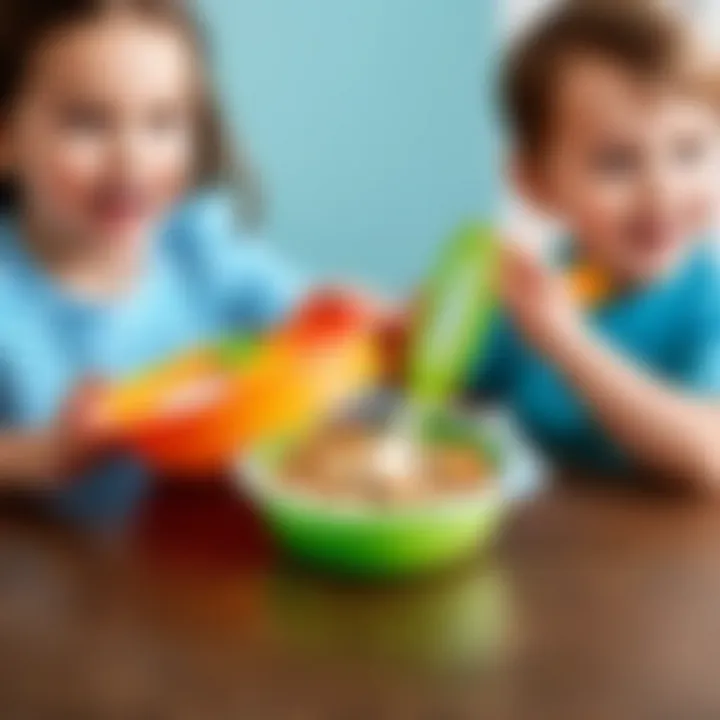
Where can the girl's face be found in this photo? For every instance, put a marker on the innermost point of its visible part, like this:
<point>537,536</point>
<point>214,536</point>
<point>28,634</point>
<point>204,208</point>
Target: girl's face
<point>101,136</point>
<point>632,169</point>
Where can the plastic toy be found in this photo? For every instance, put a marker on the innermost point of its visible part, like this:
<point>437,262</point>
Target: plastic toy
<point>194,413</point>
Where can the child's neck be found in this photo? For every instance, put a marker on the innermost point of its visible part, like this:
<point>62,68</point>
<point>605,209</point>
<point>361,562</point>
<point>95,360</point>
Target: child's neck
<point>81,267</point>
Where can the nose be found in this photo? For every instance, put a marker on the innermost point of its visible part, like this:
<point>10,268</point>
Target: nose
<point>128,156</point>
<point>659,186</point>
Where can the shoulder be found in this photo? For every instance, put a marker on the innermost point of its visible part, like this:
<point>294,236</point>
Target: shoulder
<point>204,232</point>
<point>204,212</point>
<point>14,300</point>
<point>697,341</point>
<point>207,231</point>
<point>705,261</point>
<point>232,264</point>
<point>203,222</point>
<point>701,281</point>
<point>692,304</point>
<point>21,307</point>
<point>14,285</point>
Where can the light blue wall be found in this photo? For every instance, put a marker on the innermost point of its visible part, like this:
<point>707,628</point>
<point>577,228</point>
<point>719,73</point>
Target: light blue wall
<point>368,121</point>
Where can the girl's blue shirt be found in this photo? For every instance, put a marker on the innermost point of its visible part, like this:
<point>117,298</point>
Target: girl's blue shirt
<point>670,329</point>
<point>201,281</point>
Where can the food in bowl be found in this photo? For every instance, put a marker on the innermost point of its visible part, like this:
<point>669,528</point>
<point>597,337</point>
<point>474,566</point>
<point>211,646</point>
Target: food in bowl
<point>355,463</point>
<point>353,498</point>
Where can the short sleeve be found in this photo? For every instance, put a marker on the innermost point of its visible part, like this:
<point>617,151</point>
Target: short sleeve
<point>7,414</point>
<point>700,370</point>
<point>245,279</point>
<point>16,334</point>
<point>495,365</point>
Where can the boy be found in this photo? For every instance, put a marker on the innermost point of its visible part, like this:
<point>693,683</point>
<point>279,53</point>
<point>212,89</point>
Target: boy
<point>615,134</point>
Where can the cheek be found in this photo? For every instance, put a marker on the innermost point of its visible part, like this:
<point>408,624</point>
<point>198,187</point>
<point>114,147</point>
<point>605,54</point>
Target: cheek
<point>76,168</point>
<point>700,198</point>
<point>58,169</point>
<point>592,205</point>
<point>700,208</point>
<point>168,163</point>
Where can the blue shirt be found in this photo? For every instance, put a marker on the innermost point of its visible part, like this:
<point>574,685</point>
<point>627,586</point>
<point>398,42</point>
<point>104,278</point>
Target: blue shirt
<point>671,329</point>
<point>201,281</point>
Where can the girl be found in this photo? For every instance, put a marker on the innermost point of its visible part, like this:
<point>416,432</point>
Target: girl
<point>112,252</point>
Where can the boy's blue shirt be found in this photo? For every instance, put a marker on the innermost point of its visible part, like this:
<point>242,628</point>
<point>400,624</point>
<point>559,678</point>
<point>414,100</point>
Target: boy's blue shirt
<point>670,329</point>
<point>201,281</point>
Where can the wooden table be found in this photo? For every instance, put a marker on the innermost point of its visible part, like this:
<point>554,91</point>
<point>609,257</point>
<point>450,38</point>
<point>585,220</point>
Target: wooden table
<point>592,606</point>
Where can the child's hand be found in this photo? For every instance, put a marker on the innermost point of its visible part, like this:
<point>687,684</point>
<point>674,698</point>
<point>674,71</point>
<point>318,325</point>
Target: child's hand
<point>538,301</point>
<point>76,437</point>
<point>393,336</point>
<point>392,324</point>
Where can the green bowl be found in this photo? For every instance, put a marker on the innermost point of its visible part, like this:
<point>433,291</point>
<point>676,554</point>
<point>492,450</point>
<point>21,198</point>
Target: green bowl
<point>366,541</point>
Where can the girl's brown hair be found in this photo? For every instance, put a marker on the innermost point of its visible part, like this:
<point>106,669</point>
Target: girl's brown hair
<point>26,24</point>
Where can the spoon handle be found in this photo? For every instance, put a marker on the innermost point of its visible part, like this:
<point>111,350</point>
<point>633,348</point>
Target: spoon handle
<point>455,317</point>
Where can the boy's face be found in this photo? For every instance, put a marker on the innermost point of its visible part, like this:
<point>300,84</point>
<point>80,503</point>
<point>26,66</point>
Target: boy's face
<point>630,168</point>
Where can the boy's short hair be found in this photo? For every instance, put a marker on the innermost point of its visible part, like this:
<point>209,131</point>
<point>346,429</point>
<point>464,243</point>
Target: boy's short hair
<point>639,36</point>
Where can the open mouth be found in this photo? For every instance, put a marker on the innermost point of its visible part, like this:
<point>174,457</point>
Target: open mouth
<point>653,236</point>
<point>118,205</point>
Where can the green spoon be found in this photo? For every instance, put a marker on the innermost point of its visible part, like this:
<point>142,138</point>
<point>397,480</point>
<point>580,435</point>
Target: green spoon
<point>452,327</point>
<point>455,316</point>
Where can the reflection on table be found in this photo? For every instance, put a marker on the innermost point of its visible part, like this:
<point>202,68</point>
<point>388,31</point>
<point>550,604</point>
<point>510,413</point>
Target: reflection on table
<point>592,605</point>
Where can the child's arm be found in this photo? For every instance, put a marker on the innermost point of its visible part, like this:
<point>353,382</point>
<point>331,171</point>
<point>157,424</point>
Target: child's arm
<point>30,460</point>
<point>37,459</point>
<point>675,435</point>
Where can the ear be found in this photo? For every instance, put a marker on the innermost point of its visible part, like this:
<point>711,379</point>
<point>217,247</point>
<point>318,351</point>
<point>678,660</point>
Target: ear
<point>529,180</point>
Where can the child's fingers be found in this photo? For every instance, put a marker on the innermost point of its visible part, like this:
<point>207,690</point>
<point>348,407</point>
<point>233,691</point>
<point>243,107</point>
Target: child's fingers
<point>80,433</point>
<point>394,337</point>
<point>520,264</point>
<point>77,402</point>
<point>512,273</point>
<point>82,416</point>
<point>524,272</point>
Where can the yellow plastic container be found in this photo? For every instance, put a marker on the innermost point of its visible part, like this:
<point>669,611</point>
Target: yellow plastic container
<point>194,413</point>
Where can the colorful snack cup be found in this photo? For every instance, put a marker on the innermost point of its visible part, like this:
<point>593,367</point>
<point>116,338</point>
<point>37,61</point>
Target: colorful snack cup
<point>194,413</point>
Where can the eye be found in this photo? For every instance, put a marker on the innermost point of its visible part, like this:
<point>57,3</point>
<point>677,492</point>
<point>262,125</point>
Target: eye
<point>167,119</point>
<point>690,151</point>
<point>84,118</point>
<point>615,161</point>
